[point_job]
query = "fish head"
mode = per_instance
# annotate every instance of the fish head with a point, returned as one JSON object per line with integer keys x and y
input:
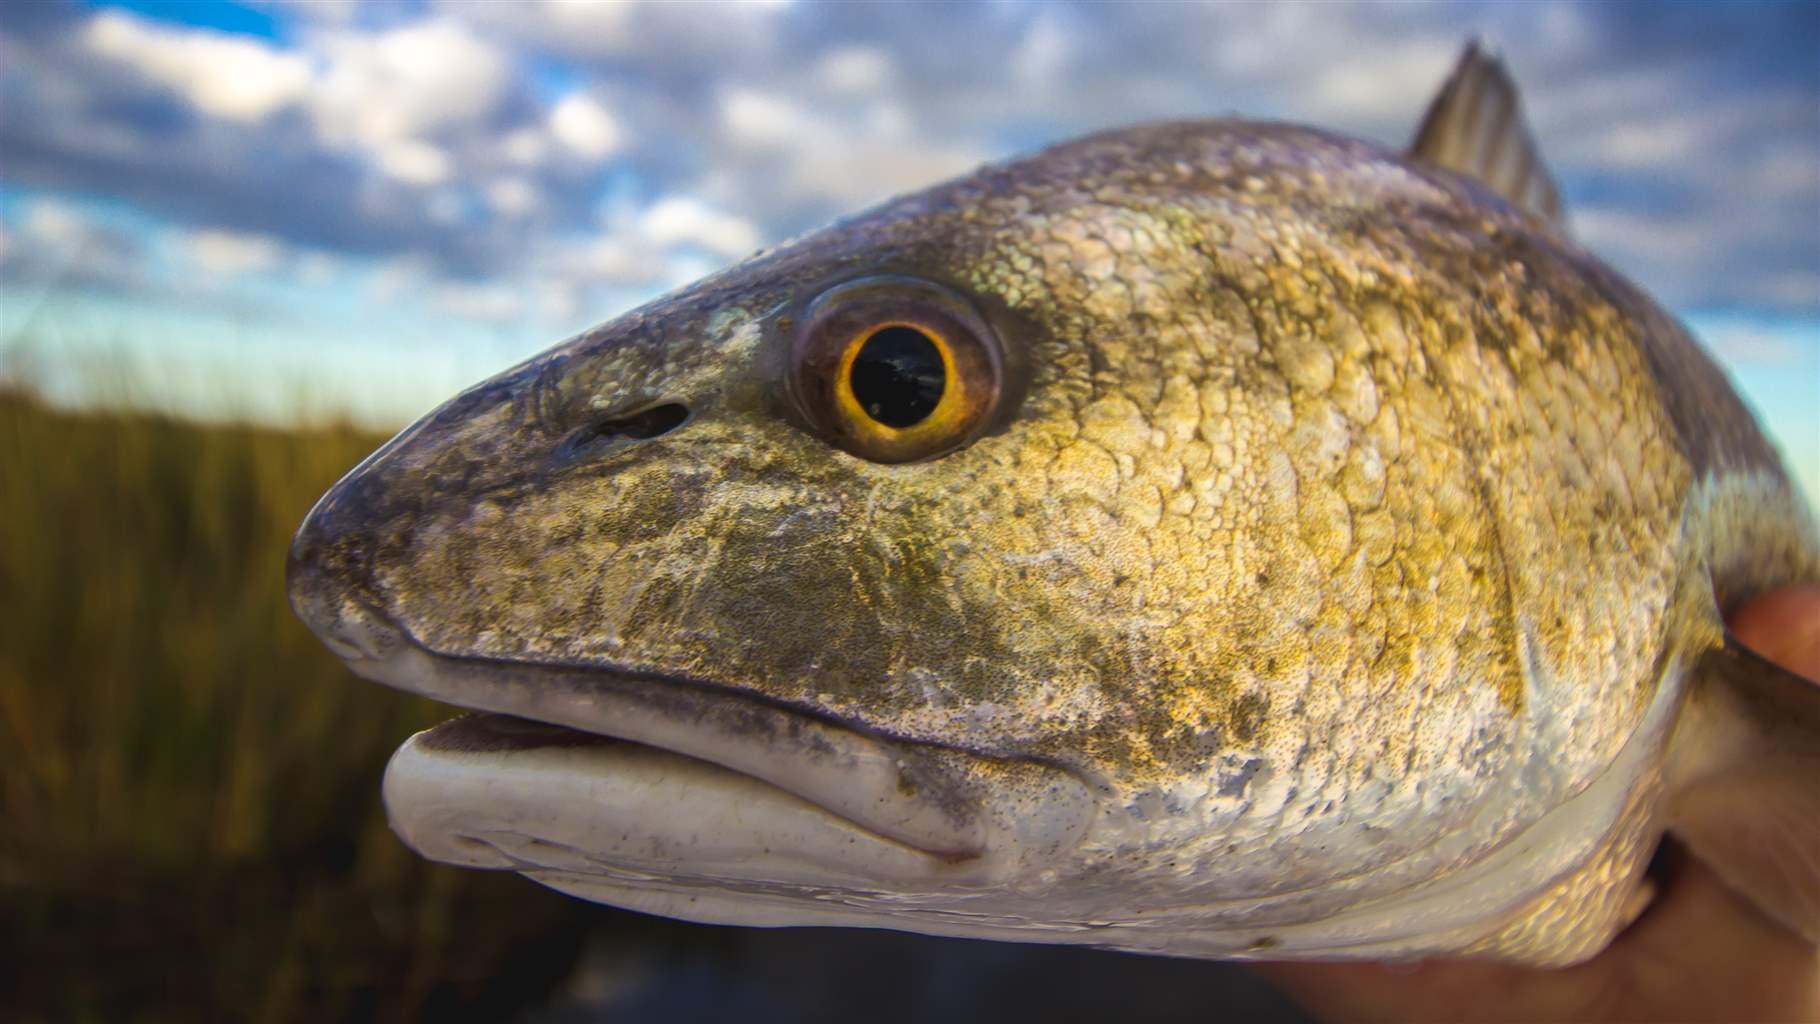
{"x": 1076, "y": 552}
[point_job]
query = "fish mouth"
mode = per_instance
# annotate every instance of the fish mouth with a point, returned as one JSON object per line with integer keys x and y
{"x": 609, "y": 784}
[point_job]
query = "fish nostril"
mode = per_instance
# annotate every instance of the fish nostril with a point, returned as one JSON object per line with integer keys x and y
{"x": 644, "y": 425}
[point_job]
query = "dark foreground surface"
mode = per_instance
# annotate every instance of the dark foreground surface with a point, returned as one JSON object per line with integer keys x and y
{"x": 818, "y": 974}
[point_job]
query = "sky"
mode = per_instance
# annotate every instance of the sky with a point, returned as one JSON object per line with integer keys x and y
{"x": 309, "y": 208}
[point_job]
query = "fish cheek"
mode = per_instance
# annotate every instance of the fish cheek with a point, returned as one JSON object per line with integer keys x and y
{"x": 808, "y": 605}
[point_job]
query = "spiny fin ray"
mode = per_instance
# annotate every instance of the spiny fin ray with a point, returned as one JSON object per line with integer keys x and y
{"x": 1475, "y": 126}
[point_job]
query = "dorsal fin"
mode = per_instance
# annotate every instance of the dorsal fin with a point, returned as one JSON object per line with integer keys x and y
{"x": 1475, "y": 126}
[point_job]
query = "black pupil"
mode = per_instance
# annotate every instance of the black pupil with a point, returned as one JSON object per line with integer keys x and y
{"x": 898, "y": 376}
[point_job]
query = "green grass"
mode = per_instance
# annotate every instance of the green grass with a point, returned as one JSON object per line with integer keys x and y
{"x": 190, "y": 825}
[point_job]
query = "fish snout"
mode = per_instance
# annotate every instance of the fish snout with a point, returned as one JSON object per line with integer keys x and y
{"x": 329, "y": 573}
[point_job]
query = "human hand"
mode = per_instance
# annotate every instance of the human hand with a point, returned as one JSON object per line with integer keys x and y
{"x": 1699, "y": 953}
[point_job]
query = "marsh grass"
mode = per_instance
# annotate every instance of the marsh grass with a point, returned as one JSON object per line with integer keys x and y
{"x": 189, "y": 817}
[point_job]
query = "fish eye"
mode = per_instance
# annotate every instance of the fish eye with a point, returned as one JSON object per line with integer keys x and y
{"x": 895, "y": 369}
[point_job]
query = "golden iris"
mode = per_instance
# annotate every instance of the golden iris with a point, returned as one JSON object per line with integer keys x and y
{"x": 896, "y": 369}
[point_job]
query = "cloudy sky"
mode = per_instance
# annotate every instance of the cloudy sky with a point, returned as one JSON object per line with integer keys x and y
{"x": 358, "y": 206}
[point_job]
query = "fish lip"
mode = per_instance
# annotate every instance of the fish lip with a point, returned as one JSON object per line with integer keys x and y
{"x": 484, "y": 744}
{"x": 883, "y": 785}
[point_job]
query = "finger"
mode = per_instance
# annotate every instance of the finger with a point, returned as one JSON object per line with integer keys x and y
{"x": 1701, "y": 929}
{"x": 1784, "y": 627}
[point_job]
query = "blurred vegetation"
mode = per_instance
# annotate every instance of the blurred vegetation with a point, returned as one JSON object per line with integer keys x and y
{"x": 190, "y": 825}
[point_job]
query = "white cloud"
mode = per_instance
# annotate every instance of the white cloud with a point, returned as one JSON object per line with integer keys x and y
{"x": 1642, "y": 146}
{"x": 447, "y": 206}
{"x": 683, "y": 220}
{"x": 1609, "y": 228}
{"x": 650, "y": 32}
{"x": 317, "y": 269}
{"x": 1759, "y": 344}
{"x": 511, "y": 196}
{"x": 580, "y": 123}
{"x": 407, "y": 82}
{"x": 232, "y": 253}
{"x": 57, "y": 223}
{"x": 1391, "y": 82}
{"x": 492, "y": 302}
{"x": 1794, "y": 288}
{"x": 683, "y": 269}
{"x": 615, "y": 259}
{"x": 599, "y": 25}
{"x": 338, "y": 12}
{"x": 765, "y": 121}
{"x": 637, "y": 250}
{"x": 526, "y": 147}
{"x": 1044, "y": 52}
{"x": 555, "y": 301}
{"x": 1583, "y": 113}
{"x": 415, "y": 162}
{"x": 397, "y": 277}
{"x": 59, "y": 242}
{"x": 226, "y": 76}
{"x": 854, "y": 69}
{"x": 841, "y": 163}
{"x": 389, "y": 95}
{"x": 1639, "y": 128}
{"x": 1788, "y": 168}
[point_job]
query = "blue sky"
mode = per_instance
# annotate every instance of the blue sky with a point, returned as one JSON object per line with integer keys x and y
{"x": 358, "y": 206}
